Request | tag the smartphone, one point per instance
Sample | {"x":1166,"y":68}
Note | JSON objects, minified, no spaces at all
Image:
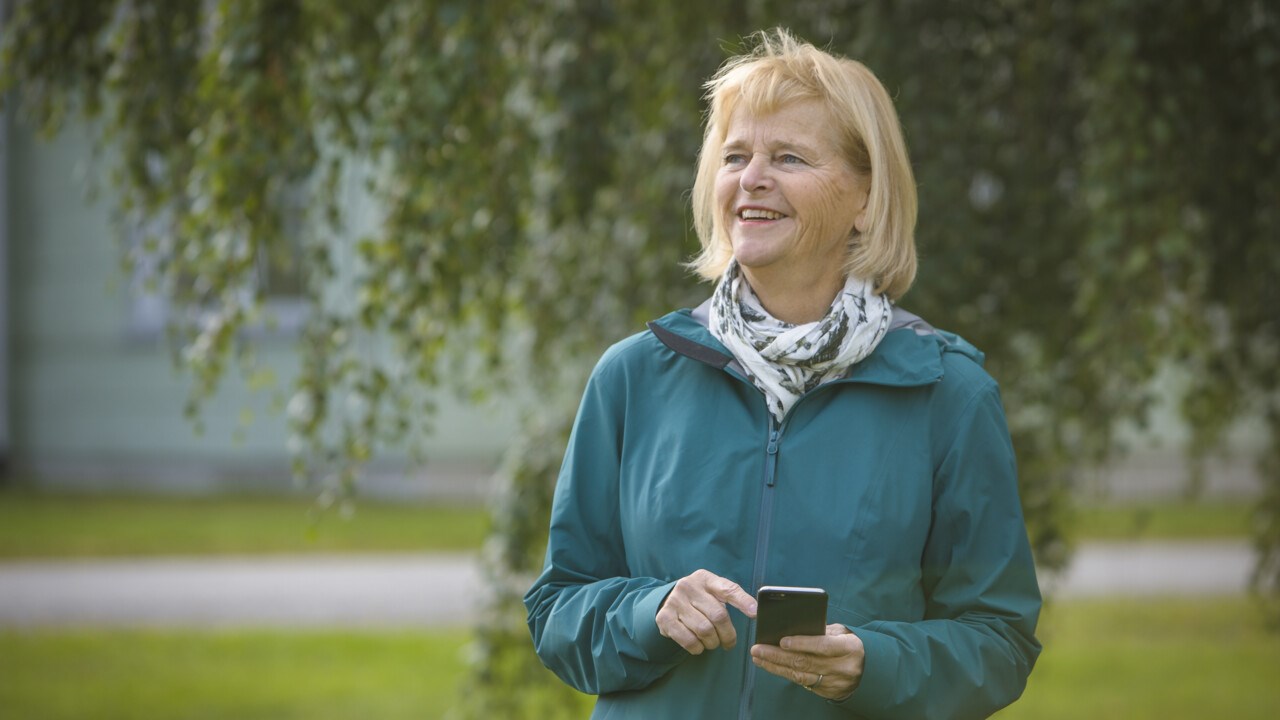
{"x":784,"y":611}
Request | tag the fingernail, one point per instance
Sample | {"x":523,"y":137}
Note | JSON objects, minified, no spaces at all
{"x":752,"y":607}
{"x":786,"y":643}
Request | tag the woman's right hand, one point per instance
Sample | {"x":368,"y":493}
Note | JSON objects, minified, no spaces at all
{"x":695,"y":613}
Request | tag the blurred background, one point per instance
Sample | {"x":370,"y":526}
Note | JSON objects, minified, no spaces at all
{"x":297,"y":300}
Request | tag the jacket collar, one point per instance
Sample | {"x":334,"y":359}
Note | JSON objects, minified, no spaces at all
{"x":910,"y":355}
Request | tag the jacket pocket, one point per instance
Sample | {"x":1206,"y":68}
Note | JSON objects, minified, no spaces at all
{"x":883,"y":560}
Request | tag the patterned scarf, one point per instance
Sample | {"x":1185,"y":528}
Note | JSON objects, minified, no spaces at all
{"x":785,"y":361}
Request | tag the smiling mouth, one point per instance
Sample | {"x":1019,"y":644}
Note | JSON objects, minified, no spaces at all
{"x":759,"y":214}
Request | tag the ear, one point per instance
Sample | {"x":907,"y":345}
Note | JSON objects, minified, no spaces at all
{"x":860,"y":220}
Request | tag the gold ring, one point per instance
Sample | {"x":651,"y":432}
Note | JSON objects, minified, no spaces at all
{"x":815,"y":684}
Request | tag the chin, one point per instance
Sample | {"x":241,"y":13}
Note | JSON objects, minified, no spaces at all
{"x":755,"y":257}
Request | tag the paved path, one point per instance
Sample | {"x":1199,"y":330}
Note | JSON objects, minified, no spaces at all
{"x":446,"y":590}
{"x":1155,"y":568}
{"x":370,"y":590}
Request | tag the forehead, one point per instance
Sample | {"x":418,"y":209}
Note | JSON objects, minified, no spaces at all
{"x":805,"y":122}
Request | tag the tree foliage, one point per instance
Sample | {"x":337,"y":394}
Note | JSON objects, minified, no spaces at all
{"x":1099,"y":183}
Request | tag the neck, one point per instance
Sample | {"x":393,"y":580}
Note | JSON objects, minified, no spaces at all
{"x":795,"y":299}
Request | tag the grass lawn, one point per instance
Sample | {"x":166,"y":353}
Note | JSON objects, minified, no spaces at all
{"x":1135,"y":659}
{"x":191,"y":675}
{"x":1129,"y":659}
{"x":76,"y":525}
{"x":1165,"y":520}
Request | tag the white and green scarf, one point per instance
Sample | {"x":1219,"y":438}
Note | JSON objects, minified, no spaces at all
{"x":785,"y":361}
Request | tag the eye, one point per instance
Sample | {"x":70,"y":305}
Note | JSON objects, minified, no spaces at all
{"x":790,"y":159}
{"x":733,"y":159}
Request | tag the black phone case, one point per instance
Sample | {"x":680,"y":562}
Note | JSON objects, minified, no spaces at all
{"x":779,"y":615}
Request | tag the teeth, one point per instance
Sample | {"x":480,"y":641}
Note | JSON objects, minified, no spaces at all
{"x":757,"y":214}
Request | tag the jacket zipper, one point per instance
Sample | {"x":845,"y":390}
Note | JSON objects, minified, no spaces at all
{"x":764,"y":525}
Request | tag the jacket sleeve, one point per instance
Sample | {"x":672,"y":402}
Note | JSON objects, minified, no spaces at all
{"x":974,"y":649}
{"x":593,"y":624}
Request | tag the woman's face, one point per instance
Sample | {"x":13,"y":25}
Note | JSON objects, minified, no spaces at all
{"x":786,"y":195}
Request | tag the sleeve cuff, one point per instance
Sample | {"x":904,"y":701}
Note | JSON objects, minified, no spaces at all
{"x":876,"y":690}
{"x":645,"y":611}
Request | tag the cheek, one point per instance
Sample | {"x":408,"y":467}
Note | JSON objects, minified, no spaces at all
{"x":726,"y":191}
{"x":829,"y":216}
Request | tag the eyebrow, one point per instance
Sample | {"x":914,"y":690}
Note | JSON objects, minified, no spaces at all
{"x":783,"y":146}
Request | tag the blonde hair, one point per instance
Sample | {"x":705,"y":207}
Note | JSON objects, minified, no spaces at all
{"x":783,"y":70}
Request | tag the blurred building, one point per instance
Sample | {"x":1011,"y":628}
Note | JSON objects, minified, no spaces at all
{"x":90,"y":393}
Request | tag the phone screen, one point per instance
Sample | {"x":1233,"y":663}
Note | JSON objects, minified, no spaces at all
{"x":783,"y":611}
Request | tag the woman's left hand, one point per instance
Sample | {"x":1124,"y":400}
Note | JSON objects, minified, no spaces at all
{"x":828,"y":665}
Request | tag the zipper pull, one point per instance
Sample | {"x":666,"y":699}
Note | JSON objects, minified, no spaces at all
{"x":773,"y":443}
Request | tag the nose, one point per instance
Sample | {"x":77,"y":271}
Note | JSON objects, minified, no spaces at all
{"x":755,"y":176}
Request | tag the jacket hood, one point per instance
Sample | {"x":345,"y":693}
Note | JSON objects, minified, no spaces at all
{"x":909,"y":355}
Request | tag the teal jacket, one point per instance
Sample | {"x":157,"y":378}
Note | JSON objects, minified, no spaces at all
{"x":893,"y":488}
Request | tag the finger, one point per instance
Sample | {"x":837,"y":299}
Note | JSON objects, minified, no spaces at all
{"x":836,"y":629}
{"x":686,"y":639}
{"x":667,"y":620}
{"x":787,"y":672}
{"x":701,"y":626}
{"x":833,"y":684}
{"x":694,"y":616}
{"x":726,"y":634}
{"x":689,"y":612}
{"x":671,"y":624}
{"x":803,"y":662}
{"x":728,"y":591}
{"x":820,"y":645}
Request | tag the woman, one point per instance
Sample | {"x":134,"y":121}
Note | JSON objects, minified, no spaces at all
{"x":796,"y":429}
